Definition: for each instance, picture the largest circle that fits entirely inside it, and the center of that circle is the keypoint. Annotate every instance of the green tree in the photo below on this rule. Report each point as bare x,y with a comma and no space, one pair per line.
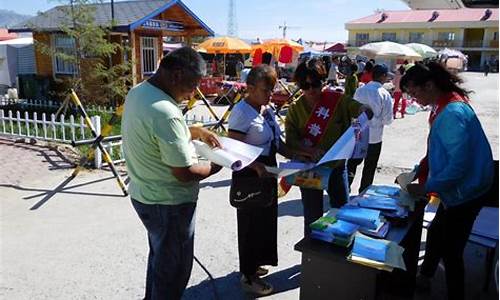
96,79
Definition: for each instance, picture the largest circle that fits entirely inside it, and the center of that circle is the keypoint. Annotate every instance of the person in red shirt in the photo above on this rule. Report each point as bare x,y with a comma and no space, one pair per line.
398,94
367,76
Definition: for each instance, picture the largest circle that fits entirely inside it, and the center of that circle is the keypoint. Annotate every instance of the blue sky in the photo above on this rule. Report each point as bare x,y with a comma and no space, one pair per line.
318,20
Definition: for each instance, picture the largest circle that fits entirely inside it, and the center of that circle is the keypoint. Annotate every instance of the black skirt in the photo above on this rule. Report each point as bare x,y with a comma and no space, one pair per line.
258,227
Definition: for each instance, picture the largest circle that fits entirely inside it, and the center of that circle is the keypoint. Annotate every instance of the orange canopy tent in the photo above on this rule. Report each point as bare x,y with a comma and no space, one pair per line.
279,48
224,45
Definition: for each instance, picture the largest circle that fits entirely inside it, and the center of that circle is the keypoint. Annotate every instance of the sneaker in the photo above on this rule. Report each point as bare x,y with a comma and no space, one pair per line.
423,283
256,286
261,271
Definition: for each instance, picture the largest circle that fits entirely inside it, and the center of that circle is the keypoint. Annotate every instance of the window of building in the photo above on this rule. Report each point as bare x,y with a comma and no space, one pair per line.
389,36
149,50
446,36
65,45
362,38
416,37
495,36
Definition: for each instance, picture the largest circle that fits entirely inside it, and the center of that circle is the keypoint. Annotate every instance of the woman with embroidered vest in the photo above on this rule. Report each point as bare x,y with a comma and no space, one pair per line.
313,124
253,121
458,169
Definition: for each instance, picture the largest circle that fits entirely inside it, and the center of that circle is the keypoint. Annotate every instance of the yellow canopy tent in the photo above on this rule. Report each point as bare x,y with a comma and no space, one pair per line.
274,46
225,45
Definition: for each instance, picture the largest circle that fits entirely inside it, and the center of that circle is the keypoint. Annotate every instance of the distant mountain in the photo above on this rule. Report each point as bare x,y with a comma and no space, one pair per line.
11,18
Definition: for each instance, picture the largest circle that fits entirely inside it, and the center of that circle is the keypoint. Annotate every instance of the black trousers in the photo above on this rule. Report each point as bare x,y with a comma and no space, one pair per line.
258,227
446,239
369,168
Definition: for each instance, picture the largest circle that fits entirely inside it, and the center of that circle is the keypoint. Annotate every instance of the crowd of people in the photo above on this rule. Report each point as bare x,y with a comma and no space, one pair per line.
165,172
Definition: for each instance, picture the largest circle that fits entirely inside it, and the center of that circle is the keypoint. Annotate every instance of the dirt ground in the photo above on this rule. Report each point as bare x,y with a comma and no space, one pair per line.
83,240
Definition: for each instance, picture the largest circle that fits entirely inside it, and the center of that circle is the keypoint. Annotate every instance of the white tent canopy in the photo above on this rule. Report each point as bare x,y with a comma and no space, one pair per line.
388,50
422,49
452,53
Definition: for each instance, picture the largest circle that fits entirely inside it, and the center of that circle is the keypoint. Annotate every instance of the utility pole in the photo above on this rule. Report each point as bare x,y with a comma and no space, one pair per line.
112,11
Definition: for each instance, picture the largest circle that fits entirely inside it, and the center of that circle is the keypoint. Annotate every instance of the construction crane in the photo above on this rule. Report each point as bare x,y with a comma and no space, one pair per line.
285,27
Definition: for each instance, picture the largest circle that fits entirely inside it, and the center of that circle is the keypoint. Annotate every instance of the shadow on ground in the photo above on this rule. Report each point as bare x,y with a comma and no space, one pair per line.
228,287
56,159
61,188
294,208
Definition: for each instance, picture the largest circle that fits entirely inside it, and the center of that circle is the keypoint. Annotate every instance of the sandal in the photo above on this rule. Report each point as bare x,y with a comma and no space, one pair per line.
255,285
261,271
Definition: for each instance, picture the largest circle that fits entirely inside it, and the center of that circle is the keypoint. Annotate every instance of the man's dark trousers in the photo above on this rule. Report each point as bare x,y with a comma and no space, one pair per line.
171,241
369,168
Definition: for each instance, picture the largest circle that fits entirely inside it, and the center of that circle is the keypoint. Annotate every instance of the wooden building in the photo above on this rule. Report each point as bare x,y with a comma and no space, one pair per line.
141,25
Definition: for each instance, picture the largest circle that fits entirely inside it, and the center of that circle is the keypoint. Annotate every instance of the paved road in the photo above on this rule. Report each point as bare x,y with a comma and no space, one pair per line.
85,242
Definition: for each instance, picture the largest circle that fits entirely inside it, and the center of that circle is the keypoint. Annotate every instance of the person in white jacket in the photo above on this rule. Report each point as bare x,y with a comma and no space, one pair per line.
375,96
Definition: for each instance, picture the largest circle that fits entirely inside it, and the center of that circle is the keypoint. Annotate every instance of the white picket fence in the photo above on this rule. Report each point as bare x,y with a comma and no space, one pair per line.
36,103
68,129
61,130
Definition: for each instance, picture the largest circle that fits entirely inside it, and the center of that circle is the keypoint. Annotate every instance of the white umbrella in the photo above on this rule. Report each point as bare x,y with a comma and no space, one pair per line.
422,49
389,50
452,53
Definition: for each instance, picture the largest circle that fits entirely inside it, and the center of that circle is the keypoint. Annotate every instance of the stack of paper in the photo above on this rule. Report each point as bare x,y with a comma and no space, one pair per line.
390,200
323,222
379,254
382,190
364,217
369,248
378,202
379,232
400,213
331,230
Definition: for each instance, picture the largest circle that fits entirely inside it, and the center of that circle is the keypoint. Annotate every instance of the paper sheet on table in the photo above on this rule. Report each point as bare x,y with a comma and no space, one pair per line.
369,263
393,252
234,154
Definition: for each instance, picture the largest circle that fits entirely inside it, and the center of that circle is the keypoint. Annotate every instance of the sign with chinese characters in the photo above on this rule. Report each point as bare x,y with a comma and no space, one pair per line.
163,25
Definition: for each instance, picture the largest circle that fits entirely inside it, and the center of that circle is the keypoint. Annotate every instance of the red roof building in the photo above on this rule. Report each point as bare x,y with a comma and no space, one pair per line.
474,31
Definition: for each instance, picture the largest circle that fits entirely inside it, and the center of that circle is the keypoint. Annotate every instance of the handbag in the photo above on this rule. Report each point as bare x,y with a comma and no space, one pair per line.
252,192
247,189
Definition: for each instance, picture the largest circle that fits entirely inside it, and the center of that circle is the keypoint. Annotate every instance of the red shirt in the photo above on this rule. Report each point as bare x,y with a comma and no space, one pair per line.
366,77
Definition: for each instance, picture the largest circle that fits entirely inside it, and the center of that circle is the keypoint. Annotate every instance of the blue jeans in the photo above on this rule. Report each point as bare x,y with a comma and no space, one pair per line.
312,200
171,241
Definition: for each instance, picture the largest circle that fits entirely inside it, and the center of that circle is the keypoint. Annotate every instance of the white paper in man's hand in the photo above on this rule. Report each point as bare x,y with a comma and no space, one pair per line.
234,154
